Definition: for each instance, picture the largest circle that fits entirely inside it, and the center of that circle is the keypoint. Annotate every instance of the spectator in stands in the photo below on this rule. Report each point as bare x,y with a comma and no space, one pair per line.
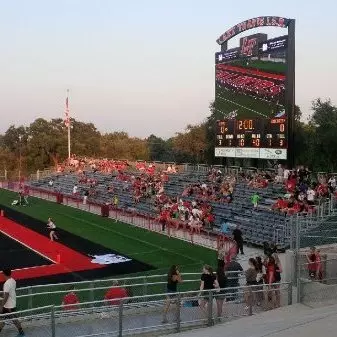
237,236
255,198
195,224
51,183
286,174
332,184
302,174
70,301
173,279
232,271
322,190
164,219
75,189
85,197
291,183
311,196
280,174
280,205
115,294
115,201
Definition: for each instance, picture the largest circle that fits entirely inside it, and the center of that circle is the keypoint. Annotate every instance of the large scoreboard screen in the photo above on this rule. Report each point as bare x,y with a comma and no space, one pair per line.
261,138
252,93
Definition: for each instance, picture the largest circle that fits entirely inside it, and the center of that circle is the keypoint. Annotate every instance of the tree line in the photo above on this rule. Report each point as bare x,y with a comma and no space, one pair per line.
43,143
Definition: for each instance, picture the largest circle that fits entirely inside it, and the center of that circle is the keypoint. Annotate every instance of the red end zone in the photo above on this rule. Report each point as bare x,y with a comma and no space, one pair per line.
70,260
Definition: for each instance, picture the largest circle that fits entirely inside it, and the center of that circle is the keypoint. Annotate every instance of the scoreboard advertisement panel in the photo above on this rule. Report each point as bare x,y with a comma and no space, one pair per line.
253,95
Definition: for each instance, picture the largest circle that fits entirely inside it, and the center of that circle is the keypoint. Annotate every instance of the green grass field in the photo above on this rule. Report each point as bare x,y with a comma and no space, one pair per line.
245,106
268,66
145,246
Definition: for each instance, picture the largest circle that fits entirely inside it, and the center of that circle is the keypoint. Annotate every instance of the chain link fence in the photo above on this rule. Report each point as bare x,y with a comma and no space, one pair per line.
155,314
314,256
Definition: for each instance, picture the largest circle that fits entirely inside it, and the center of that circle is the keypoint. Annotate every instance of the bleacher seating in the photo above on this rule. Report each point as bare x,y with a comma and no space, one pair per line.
258,226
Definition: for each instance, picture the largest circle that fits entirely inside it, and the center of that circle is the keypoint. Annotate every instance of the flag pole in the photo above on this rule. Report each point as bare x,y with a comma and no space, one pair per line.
68,124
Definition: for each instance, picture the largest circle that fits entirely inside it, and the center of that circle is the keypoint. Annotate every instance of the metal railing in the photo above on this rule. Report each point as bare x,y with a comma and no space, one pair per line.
145,314
52,294
301,224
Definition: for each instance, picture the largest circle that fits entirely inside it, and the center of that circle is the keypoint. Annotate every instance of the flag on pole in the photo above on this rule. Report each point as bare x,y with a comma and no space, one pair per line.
67,117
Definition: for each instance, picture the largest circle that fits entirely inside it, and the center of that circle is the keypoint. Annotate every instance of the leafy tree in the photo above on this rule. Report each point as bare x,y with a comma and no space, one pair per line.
120,145
324,121
47,143
85,139
159,149
191,144
15,138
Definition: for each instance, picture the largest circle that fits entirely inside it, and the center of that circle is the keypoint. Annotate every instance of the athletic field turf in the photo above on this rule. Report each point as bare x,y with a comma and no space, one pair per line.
245,106
151,252
150,248
268,66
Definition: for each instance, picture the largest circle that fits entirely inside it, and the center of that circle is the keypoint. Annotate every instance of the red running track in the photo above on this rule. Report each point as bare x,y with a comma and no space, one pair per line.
70,260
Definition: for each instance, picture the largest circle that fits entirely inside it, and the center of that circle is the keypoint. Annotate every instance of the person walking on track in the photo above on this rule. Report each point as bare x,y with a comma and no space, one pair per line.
52,234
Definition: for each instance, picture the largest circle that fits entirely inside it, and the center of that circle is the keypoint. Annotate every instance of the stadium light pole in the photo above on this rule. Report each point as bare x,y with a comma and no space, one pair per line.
20,157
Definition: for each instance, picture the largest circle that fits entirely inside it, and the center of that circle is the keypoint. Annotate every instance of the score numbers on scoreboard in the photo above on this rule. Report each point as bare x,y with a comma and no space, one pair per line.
255,133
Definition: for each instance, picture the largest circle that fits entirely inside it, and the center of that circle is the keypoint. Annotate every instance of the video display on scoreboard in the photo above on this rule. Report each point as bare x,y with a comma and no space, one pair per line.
250,89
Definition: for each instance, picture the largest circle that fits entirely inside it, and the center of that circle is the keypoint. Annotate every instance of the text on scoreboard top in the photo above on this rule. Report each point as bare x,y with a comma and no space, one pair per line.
262,21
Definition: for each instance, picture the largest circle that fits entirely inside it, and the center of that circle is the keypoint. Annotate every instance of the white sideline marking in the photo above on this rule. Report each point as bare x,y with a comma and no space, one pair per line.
23,244
241,106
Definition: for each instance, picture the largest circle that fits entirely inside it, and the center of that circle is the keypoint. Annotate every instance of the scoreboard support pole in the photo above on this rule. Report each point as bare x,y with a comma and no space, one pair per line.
290,93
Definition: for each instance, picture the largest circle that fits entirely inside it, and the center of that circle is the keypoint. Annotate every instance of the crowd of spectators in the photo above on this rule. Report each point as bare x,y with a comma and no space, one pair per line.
81,164
193,206
194,214
302,191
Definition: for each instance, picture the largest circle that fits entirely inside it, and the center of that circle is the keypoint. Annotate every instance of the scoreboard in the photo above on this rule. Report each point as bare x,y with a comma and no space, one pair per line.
262,138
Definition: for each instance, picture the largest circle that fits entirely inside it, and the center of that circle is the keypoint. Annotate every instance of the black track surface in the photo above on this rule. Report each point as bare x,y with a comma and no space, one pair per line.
78,244
17,256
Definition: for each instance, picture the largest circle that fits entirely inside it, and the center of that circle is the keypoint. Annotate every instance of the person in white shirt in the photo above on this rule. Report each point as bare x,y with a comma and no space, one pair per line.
75,188
8,303
52,234
286,174
332,183
311,194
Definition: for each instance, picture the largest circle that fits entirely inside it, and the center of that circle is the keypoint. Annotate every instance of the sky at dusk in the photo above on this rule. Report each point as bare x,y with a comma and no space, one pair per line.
144,67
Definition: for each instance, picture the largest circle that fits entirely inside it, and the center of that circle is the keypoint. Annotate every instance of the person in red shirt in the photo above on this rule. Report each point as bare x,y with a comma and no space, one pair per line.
164,218
114,295
314,264
322,190
280,204
70,301
291,184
